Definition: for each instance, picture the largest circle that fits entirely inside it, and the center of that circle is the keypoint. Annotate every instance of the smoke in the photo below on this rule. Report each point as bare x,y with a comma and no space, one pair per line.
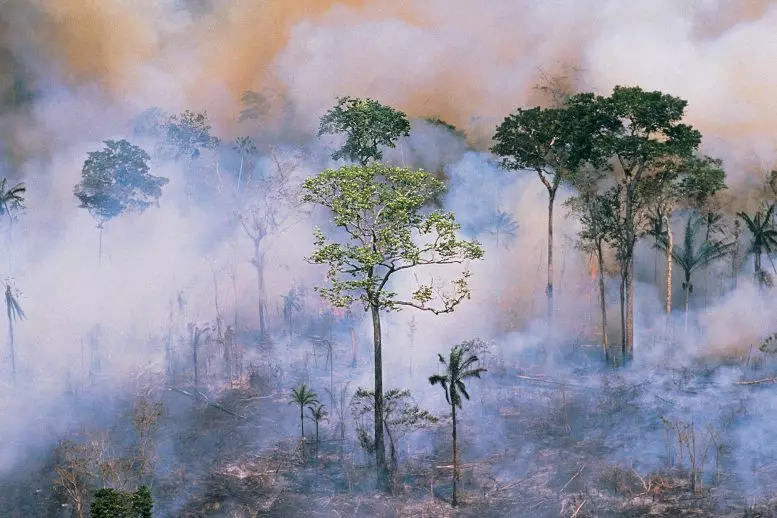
92,66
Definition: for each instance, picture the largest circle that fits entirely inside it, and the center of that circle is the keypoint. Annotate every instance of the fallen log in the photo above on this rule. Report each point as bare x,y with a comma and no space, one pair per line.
756,382
201,397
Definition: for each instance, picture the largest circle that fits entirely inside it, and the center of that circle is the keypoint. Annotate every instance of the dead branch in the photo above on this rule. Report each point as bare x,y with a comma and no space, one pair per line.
200,397
578,509
573,477
756,382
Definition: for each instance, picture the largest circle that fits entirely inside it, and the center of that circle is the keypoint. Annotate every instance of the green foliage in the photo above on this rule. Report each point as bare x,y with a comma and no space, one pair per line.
245,146
599,217
186,135
303,396
117,180
691,257
458,367
367,125
436,121
379,208
763,238
318,413
112,503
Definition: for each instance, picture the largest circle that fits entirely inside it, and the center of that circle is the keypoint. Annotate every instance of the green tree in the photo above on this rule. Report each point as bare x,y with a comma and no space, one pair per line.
553,143
367,125
14,312
641,131
691,257
401,415
303,397
112,503
599,218
317,414
378,209
116,180
458,367
187,135
763,239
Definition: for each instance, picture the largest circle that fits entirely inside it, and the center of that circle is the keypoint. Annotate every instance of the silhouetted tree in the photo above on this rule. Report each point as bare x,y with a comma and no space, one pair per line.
303,397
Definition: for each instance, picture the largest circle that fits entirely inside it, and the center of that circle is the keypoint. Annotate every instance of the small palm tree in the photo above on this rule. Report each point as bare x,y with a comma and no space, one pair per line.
691,258
504,226
764,238
246,147
15,312
458,368
303,397
11,198
317,414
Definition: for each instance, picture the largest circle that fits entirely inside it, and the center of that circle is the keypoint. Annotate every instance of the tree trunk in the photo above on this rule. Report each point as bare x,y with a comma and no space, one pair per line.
454,500
196,371
624,337
13,354
240,174
687,296
302,420
258,263
384,481
630,314
100,247
758,275
670,244
603,302
549,289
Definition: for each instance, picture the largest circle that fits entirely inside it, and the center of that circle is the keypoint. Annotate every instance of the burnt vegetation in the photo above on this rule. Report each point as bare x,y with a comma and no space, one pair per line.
342,393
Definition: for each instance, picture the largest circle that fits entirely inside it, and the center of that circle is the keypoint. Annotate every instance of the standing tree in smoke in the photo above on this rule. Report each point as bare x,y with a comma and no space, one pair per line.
187,135
116,180
640,131
271,207
458,367
246,147
317,414
303,397
598,216
367,125
553,143
14,313
11,204
763,240
691,257
385,230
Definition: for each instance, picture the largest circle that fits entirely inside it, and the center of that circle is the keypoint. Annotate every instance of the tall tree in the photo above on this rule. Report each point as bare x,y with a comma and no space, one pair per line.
11,204
303,397
692,257
116,180
246,147
459,367
318,413
641,131
268,208
14,312
598,215
367,125
187,135
763,239
552,143
379,212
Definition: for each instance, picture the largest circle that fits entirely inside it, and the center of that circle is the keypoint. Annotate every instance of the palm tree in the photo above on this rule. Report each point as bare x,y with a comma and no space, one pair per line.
764,239
691,258
246,147
11,202
656,220
303,397
317,414
458,368
15,313
504,225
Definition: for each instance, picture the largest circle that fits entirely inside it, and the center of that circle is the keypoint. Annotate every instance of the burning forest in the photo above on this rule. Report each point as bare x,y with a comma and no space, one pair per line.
372,258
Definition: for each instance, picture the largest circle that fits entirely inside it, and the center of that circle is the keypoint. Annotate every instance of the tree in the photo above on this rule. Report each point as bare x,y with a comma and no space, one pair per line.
303,397
187,135
197,336
116,180
378,209
641,132
401,415
14,312
11,204
112,503
269,208
317,414
691,257
458,367
292,303
367,125
553,143
763,239
246,147
598,216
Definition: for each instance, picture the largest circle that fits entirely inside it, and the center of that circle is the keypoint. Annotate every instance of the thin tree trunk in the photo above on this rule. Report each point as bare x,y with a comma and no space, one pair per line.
687,296
454,500
549,289
630,314
302,420
240,174
384,482
13,354
670,244
234,297
196,370
100,248
758,275
624,335
260,289
603,302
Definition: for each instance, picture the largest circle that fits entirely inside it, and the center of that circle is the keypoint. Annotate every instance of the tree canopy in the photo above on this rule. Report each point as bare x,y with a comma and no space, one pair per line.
115,180
367,125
